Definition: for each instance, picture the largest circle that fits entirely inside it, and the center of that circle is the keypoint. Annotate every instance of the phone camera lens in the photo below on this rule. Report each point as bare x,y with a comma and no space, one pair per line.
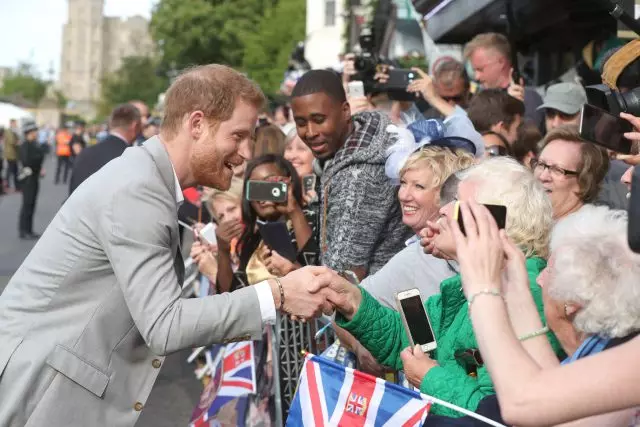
275,192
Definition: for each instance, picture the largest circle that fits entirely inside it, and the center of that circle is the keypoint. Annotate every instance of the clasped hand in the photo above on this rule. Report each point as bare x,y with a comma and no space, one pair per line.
311,291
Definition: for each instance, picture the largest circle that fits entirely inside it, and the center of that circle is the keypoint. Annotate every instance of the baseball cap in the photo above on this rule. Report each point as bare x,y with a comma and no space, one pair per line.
567,98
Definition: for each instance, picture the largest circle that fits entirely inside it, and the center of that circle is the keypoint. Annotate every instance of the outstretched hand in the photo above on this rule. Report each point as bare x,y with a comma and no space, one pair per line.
480,252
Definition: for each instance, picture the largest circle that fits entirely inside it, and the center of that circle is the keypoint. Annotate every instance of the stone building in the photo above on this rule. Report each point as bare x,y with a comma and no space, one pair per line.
94,45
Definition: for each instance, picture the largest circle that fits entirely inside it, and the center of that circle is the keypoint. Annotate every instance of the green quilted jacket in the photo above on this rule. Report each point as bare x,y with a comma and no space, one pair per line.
380,330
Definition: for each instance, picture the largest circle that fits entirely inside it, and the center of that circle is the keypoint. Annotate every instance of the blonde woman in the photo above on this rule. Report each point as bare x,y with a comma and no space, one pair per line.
456,372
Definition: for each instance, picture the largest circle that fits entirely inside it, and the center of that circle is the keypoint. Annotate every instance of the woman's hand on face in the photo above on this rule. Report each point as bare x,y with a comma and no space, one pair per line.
428,236
276,264
416,364
517,278
227,231
480,252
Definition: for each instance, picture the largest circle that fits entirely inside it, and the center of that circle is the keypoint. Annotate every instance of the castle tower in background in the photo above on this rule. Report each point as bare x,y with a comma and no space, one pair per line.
94,45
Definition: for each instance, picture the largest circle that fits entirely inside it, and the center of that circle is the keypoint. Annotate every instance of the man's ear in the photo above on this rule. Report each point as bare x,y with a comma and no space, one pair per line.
196,124
346,111
499,128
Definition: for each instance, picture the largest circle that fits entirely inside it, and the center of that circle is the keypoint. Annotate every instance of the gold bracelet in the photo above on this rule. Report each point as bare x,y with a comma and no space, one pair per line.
281,293
487,291
534,334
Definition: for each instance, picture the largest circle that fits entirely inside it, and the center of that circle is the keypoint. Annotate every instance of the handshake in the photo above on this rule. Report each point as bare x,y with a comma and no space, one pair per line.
311,291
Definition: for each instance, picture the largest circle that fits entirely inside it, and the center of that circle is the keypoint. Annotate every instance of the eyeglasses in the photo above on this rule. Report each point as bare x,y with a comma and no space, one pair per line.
551,114
556,171
456,99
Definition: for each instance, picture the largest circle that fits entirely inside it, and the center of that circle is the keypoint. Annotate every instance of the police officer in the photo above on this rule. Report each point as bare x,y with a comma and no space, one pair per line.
31,157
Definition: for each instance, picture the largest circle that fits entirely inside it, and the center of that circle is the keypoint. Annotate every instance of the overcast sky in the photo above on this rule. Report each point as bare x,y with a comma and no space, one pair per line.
31,30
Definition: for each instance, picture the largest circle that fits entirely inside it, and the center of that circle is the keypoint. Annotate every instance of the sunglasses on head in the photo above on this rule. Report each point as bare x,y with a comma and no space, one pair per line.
457,99
496,150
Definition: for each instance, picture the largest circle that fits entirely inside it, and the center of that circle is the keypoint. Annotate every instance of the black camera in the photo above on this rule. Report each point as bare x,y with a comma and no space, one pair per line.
367,61
625,100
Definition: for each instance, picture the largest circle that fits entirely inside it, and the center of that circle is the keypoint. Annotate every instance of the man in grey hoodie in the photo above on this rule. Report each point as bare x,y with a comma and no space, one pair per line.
360,219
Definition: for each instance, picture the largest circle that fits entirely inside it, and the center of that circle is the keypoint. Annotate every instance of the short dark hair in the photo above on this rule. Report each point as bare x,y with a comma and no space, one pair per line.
449,71
320,81
594,161
491,106
123,115
529,136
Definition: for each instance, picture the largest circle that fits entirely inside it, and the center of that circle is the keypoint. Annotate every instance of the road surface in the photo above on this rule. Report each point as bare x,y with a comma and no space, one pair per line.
176,391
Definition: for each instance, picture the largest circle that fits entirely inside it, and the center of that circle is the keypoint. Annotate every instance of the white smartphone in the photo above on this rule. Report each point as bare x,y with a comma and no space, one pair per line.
355,89
415,319
208,234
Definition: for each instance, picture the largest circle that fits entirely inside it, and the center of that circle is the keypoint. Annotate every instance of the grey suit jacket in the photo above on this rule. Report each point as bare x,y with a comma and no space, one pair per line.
89,314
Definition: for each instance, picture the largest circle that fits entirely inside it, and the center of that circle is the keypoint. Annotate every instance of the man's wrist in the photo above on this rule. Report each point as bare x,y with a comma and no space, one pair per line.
276,292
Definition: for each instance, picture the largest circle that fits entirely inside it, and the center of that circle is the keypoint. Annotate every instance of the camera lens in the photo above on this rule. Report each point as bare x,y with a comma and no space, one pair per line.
275,192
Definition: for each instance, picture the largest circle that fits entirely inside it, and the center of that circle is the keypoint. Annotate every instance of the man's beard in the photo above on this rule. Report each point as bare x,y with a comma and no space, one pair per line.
209,170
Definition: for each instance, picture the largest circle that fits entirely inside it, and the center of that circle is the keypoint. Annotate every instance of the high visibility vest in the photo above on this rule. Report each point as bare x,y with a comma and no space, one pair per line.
63,149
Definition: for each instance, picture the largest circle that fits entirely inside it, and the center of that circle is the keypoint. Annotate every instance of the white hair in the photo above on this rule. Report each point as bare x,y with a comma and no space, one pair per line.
594,267
504,181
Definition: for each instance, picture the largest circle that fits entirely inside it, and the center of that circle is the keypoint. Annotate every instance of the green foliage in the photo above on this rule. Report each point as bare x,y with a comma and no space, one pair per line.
24,82
411,61
267,50
137,78
195,32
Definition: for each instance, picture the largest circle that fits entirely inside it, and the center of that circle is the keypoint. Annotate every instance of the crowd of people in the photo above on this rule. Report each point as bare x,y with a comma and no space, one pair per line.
374,187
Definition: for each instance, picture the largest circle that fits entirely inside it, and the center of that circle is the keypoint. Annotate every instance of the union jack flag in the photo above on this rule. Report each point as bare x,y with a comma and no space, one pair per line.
233,375
331,395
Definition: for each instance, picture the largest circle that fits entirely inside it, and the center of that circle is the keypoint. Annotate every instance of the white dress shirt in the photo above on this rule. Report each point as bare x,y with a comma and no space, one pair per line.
263,290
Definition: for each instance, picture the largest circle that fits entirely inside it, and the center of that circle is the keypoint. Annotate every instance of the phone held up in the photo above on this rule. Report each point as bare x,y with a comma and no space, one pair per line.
309,183
605,129
499,213
267,191
415,320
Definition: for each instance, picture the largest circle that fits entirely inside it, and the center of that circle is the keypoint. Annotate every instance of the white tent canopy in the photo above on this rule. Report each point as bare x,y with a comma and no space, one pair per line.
10,111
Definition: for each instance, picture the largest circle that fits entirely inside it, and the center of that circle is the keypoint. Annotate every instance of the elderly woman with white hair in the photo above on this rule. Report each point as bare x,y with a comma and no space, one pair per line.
456,372
591,302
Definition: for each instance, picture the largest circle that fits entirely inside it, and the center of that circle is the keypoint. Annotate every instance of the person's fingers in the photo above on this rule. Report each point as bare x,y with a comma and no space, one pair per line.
521,83
470,227
634,136
458,237
511,76
634,120
406,354
484,220
419,72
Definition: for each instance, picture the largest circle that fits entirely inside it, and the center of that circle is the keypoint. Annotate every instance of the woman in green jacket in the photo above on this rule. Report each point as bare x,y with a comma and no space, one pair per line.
454,372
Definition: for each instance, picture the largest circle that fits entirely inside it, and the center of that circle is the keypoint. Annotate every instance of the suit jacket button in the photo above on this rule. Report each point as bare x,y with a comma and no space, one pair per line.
156,363
138,406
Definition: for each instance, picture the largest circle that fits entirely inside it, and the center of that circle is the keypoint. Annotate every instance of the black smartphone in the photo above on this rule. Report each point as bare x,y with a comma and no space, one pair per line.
309,183
516,75
276,236
396,84
605,129
267,191
499,213
415,319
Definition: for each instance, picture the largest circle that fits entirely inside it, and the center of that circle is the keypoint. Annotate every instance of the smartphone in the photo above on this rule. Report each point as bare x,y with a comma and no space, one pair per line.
267,191
415,319
208,234
355,89
400,78
605,129
276,236
499,213
309,183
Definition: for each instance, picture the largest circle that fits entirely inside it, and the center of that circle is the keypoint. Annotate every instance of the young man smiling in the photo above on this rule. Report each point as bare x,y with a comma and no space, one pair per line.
361,222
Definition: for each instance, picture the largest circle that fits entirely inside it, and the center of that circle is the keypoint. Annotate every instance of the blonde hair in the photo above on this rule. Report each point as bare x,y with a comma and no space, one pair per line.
233,195
504,181
494,41
442,162
213,89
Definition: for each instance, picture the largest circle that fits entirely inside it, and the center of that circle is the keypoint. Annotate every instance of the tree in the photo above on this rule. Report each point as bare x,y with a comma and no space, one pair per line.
195,32
137,78
269,47
24,82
